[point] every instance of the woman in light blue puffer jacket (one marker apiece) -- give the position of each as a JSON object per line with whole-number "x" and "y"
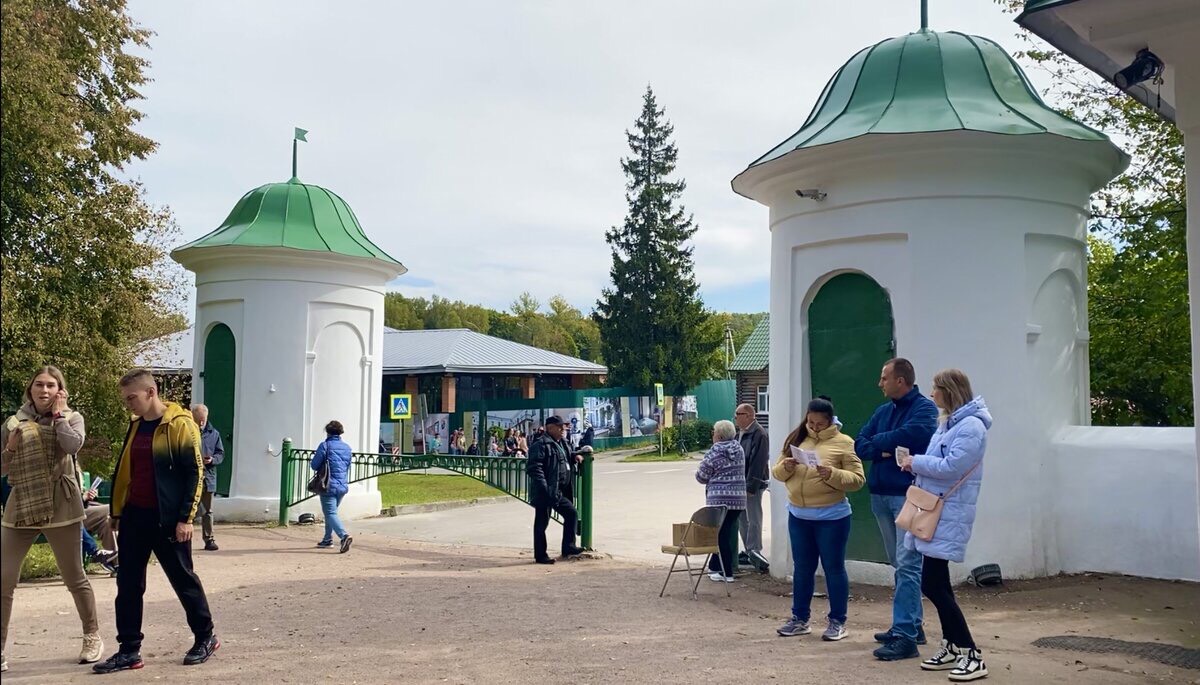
{"x": 952, "y": 467}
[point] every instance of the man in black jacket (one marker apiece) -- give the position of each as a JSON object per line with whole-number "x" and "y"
{"x": 549, "y": 469}
{"x": 756, "y": 445}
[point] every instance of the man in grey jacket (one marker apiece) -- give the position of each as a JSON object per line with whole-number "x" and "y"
{"x": 213, "y": 452}
{"x": 756, "y": 445}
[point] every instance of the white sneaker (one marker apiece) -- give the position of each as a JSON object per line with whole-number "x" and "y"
{"x": 945, "y": 659}
{"x": 3, "y": 663}
{"x": 93, "y": 646}
{"x": 718, "y": 578}
{"x": 970, "y": 667}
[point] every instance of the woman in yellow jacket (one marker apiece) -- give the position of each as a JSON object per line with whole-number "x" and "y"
{"x": 819, "y": 515}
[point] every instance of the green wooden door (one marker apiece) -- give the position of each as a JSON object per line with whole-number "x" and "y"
{"x": 850, "y": 338}
{"x": 220, "y": 361}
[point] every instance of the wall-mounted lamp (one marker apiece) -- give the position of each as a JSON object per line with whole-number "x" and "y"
{"x": 1146, "y": 65}
{"x": 811, "y": 194}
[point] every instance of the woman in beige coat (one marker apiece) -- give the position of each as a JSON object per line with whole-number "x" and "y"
{"x": 40, "y": 442}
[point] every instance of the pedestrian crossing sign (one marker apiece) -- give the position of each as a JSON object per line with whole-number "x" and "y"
{"x": 401, "y": 407}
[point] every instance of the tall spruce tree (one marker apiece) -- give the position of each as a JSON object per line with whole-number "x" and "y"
{"x": 653, "y": 325}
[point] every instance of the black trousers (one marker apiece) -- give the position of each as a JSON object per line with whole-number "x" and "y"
{"x": 727, "y": 543}
{"x": 935, "y": 584}
{"x": 541, "y": 519}
{"x": 139, "y": 535}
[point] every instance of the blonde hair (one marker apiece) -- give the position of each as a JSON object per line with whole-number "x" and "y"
{"x": 51, "y": 371}
{"x": 139, "y": 376}
{"x": 955, "y": 387}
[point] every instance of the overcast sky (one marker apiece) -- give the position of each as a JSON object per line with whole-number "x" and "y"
{"x": 479, "y": 141}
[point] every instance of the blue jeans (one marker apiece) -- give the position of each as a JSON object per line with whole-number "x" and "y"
{"x": 906, "y": 605}
{"x": 333, "y": 524}
{"x": 89, "y": 545}
{"x": 824, "y": 541}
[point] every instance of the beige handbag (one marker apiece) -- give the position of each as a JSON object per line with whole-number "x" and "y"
{"x": 922, "y": 509}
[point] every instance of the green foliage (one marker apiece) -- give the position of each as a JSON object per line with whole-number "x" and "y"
{"x": 696, "y": 435}
{"x": 563, "y": 328}
{"x": 653, "y": 325}
{"x": 1140, "y": 347}
{"x": 85, "y": 279}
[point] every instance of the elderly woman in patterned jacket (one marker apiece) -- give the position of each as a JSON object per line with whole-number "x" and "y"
{"x": 723, "y": 472}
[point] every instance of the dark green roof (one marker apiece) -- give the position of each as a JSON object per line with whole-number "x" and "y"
{"x": 755, "y": 354}
{"x": 929, "y": 81}
{"x": 293, "y": 215}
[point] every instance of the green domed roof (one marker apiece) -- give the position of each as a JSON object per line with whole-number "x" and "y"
{"x": 926, "y": 82}
{"x": 293, "y": 215}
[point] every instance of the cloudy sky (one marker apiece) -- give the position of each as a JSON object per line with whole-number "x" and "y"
{"x": 478, "y": 141}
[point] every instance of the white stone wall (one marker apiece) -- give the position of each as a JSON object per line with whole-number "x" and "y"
{"x": 309, "y": 335}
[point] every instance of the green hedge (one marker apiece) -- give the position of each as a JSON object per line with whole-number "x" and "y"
{"x": 697, "y": 435}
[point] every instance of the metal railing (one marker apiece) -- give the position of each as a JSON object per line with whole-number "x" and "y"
{"x": 506, "y": 474}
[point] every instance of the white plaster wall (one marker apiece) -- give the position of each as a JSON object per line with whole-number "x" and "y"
{"x": 280, "y": 305}
{"x": 1125, "y": 501}
{"x": 942, "y": 223}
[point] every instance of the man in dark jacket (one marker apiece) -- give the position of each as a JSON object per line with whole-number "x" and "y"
{"x": 757, "y": 447}
{"x": 213, "y": 452}
{"x": 908, "y": 419}
{"x": 549, "y": 469}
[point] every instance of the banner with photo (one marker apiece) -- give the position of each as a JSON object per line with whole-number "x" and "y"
{"x": 604, "y": 413}
{"x": 432, "y": 434}
{"x": 645, "y": 416}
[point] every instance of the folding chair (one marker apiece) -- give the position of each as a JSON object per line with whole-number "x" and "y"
{"x": 709, "y": 517}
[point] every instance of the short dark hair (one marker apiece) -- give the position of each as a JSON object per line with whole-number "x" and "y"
{"x": 904, "y": 369}
{"x": 334, "y": 428}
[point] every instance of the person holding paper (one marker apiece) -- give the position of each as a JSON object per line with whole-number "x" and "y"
{"x": 906, "y": 420}
{"x": 819, "y": 467}
{"x": 723, "y": 473}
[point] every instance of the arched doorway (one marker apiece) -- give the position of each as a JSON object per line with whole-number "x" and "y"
{"x": 220, "y": 363}
{"x": 850, "y": 336}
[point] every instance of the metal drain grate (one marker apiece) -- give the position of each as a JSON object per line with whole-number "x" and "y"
{"x": 1171, "y": 655}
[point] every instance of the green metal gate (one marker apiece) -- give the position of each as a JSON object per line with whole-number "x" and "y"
{"x": 220, "y": 364}
{"x": 506, "y": 474}
{"x": 850, "y": 337}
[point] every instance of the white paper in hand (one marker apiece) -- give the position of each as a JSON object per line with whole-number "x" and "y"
{"x": 806, "y": 457}
{"x": 902, "y": 453}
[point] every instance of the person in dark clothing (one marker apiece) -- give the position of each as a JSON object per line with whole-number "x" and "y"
{"x": 906, "y": 420}
{"x": 550, "y": 478}
{"x": 473, "y": 450}
{"x": 757, "y": 448}
{"x": 156, "y": 492}
{"x": 213, "y": 452}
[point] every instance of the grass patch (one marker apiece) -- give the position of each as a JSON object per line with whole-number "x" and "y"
{"x": 417, "y": 488}
{"x": 654, "y": 456}
{"x": 40, "y": 563}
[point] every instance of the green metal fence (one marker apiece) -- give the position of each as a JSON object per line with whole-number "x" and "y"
{"x": 506, "y": 474}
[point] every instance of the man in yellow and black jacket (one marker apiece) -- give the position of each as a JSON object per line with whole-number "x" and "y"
{"x": 156, "y": 491}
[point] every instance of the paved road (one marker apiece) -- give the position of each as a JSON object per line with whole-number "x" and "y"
{"x": 635, "y": 507}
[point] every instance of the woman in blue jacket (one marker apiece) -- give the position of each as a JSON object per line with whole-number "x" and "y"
{"x": 952, "y": 467}
{"x": 337, "y": 453}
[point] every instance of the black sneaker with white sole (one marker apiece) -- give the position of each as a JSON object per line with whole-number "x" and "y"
{"x": 970, "y": 667}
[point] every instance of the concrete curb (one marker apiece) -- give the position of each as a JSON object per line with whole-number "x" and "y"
{"x": 402, "y": 509}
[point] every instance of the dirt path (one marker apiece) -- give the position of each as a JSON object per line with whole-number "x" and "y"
{"x": 392, "y": 611}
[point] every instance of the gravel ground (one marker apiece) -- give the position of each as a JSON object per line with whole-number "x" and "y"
{"x": 393, "y": 611}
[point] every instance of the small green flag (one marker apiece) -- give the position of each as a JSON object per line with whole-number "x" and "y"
{"x": 300, "y": 133}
